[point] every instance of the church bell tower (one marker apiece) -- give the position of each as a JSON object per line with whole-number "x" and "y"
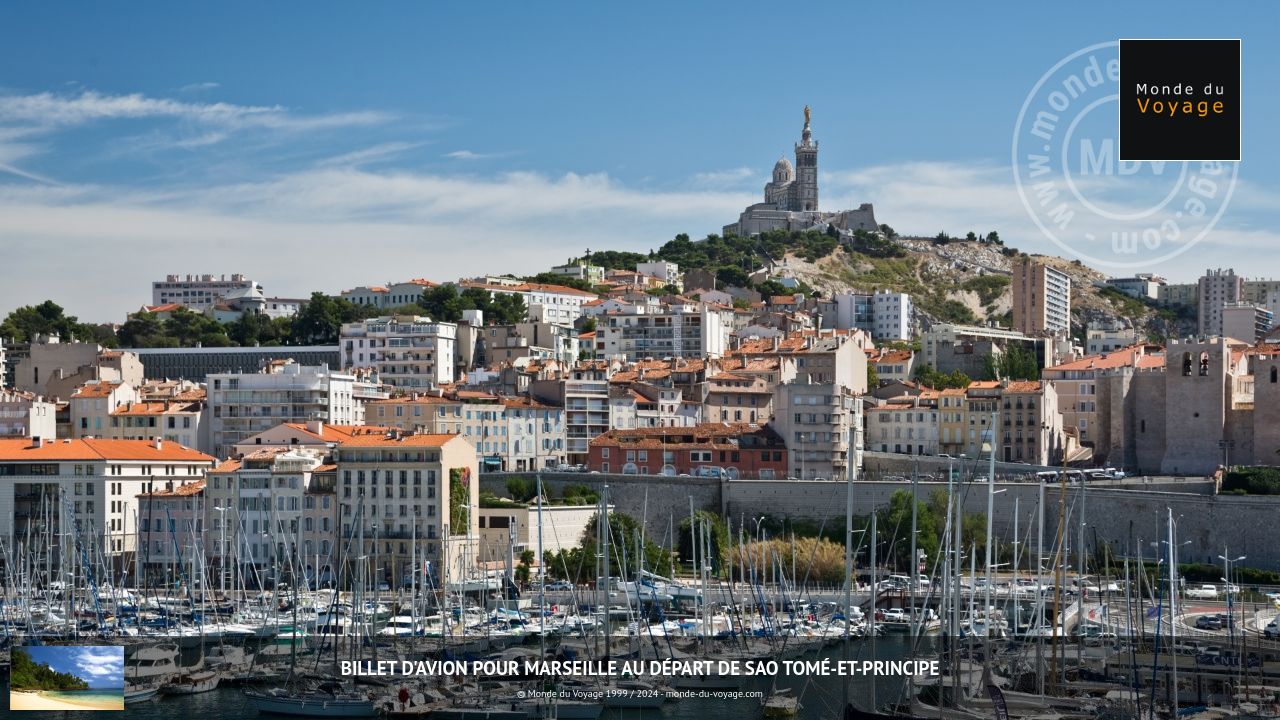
{"x": 807, "y": 169}
{"x": 806, "y": 183}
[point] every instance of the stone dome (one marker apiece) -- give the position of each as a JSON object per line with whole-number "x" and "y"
{"x": 782, "y": 170}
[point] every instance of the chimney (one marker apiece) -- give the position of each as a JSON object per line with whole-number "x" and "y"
{"x": 315, "y": 427}
{"x": 157, "y": 443}
{"x": 775, "y": 343}
{"x": 37, "y": 441}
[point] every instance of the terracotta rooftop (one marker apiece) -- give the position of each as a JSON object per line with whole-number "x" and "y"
{"x": 396, "y": 440}
{"x": 183, "y": 490}
{"x": 98, "y": 449}
{"x": 1124, "y": 357}
{"x": 95, "y": 390}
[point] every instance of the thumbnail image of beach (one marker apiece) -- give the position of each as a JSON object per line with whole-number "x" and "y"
{"x": 66, "y": 678}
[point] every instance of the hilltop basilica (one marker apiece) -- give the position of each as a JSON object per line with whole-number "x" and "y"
{"x": 791, "y": 198}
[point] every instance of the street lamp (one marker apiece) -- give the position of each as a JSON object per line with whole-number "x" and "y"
{"x": 1226, "y": 570}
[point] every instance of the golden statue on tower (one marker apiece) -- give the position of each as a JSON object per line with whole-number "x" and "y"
{"x": 806, "y": 114}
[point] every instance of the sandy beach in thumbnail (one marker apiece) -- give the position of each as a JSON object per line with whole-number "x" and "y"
{"x": 19, "y": 700}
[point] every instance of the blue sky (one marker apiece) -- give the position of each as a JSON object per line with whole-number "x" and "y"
{"x": 101, "y": 667}
{"x": 324, "y": 146}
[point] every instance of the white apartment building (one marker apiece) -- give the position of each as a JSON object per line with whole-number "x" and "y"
{"x": 692, "y": 330}
{"x": 388, "y": 296}
{"x": 88, "y": 484}
{"x": 508, "y": 433}
{"x": 1101, "y": 338}
{"x": 198, "y": 292}
{"x": 584, "y": 395}
{"x": 24, "y": 414}
{"x": 667, "y": 272}
{"x": 891, "y": 313}
{"x": 405, "y": 351}
{"x": 245, "y": 404}
{"x": 906, "y": 425}
{"x": 255, "y": 511}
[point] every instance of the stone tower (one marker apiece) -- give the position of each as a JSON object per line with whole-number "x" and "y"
{"x": 805, "y": 188}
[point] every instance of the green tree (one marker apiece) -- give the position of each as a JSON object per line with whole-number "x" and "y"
{"x": 894, "y": 527}
{"x": 320, "y": 321}
{"x": 873, "y": 377}
{"x": 719, "y": 540}
{"x": 47, "y": 318}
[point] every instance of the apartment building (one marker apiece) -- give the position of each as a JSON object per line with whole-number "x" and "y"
{"x": 171, "y": 528}
{"x": 391, "y": 295}
{"x": 508, "y": 433}
{"x": 198, "y": 292}
{"x": 819, "y": 356}
{"x": 1041, "y": 298}
{"x": 395, "y": 487}
{"x": 255, "y": 507}
{"x": 690, "y": 330}
{"x": 907, "y": 424}
{"x": 1215, "y": 290}
{"x": 24, "y": 414}
{"x": 737, "y": 398}
{"x": 405, "y": 351}
{"x": 55, "y": 369}
{"x": 732, "y": 450}
{"x": 584, "y": 394}
{"x": 817, "y": 421}
{"x": 51, "y": 487}
{"x": 1245, "y": 321}
{"x": 1030, "y": 428}
{"x": 242, "y": 405}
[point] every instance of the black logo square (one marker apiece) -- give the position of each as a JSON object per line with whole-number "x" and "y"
{"x": 1180, "y": 100}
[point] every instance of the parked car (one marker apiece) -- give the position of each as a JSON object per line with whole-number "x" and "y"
{"x": 1208, "y": 622}
{"x": 559, "y": 585}
{"x": 1272, "y": 630}
{"x": 895, "y": 615}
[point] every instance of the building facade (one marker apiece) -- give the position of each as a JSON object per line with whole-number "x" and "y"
{"x": 1215, "y": 290}
{"x": 1041, "y": 298}
{"x": 245, "y": 404}
{"x": 198, "y": 292}
{"x": 405, "y": 351}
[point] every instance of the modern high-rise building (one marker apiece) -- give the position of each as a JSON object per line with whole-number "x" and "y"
{"x": 1216, "y": 289}
{"x": 1041, "y": 298}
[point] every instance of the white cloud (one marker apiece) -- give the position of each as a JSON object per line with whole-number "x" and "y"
{"x": 50, "y": 110}
{"x": 365, "y": 156}
{"x": 99, "y": 663}
{"x": 197, "y": 87}
{"x": 469, "y": 155}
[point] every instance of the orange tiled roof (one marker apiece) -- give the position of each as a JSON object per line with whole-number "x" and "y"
{"x": 153, "y": 408}
{"x": 183, "y": 490}
{"x": 95, "y": 390}
{"x": 340, "y": 433}
{"x": 98, "y": 449}
{"x": 227, "y": 466}
{"x": 166, "y": 307}
{"x": 397, "y": 440}
{"x": 1124, "y": 357}
{"x": 1023, "y": 386}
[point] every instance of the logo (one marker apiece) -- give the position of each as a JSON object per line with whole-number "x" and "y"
{"x": 1107, "y": 211}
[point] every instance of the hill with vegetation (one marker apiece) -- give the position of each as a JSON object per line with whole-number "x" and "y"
{"x": 27, "y": 674}
{"x": 957, "y": 279}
